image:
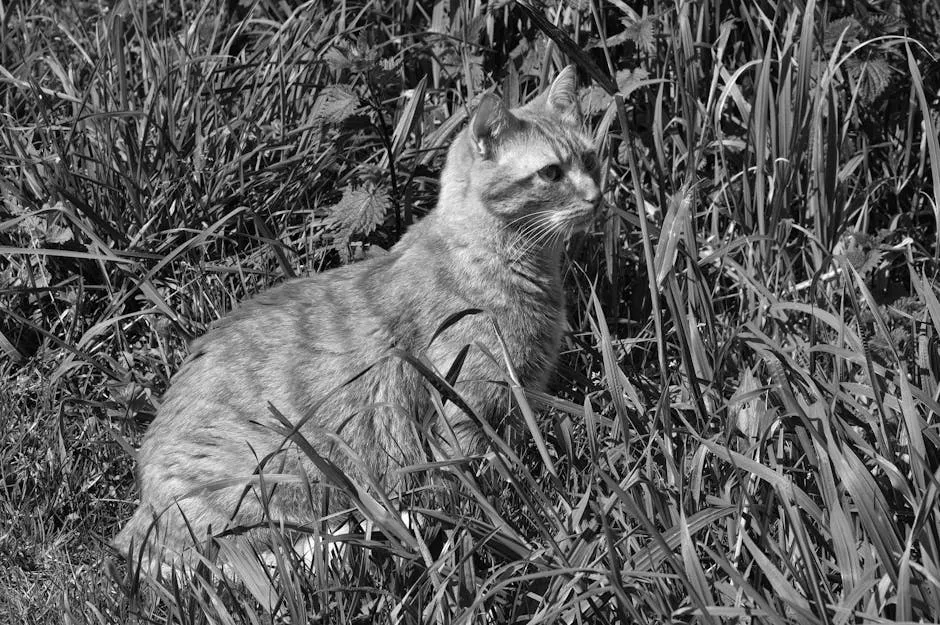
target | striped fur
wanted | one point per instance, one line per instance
(493, 243)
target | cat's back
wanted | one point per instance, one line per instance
(316, 312)
(288, 345)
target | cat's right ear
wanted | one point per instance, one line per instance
(562, 95)
(490, 123)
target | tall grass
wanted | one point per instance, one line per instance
(744, 426)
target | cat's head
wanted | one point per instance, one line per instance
(532, 167)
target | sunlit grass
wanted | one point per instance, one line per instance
(744, 425)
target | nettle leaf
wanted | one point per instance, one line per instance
(360, 210)
(640, 150)
(336, 58)
(642, 32)
(884, 24)
(532, 55)
(594, 100)
(872, 261)
(862, 251)
(578, 5)
(834, 30)
(875, 76)
(57, 234)
(335, 104)
(628, 80)
(384, 73)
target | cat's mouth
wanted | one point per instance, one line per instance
(583, 219)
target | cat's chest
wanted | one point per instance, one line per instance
(528, 338)
(529, 311)
(532, 329)
(523, 327)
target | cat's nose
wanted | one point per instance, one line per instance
(588, 188)
(593, 196)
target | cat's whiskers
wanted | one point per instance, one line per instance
(536, 233)
(530, 218)
(552, 228)
(531, 222)
(533, 230)
(549, 228)
(543, 237)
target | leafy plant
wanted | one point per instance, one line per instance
(744, 423)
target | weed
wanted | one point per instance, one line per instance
(744, 426)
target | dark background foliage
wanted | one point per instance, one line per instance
(744, 424)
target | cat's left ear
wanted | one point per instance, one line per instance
(562, 96)
(491, 122)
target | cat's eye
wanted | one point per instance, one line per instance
(551, 173)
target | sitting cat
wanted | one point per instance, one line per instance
(515, 185)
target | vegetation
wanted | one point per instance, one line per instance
(746, 424)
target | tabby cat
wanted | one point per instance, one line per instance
(515, 185)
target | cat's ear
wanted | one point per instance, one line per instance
(562, 96)
(490, 123)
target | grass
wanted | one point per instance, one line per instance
(744, 427)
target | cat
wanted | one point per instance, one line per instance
(515, 184)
